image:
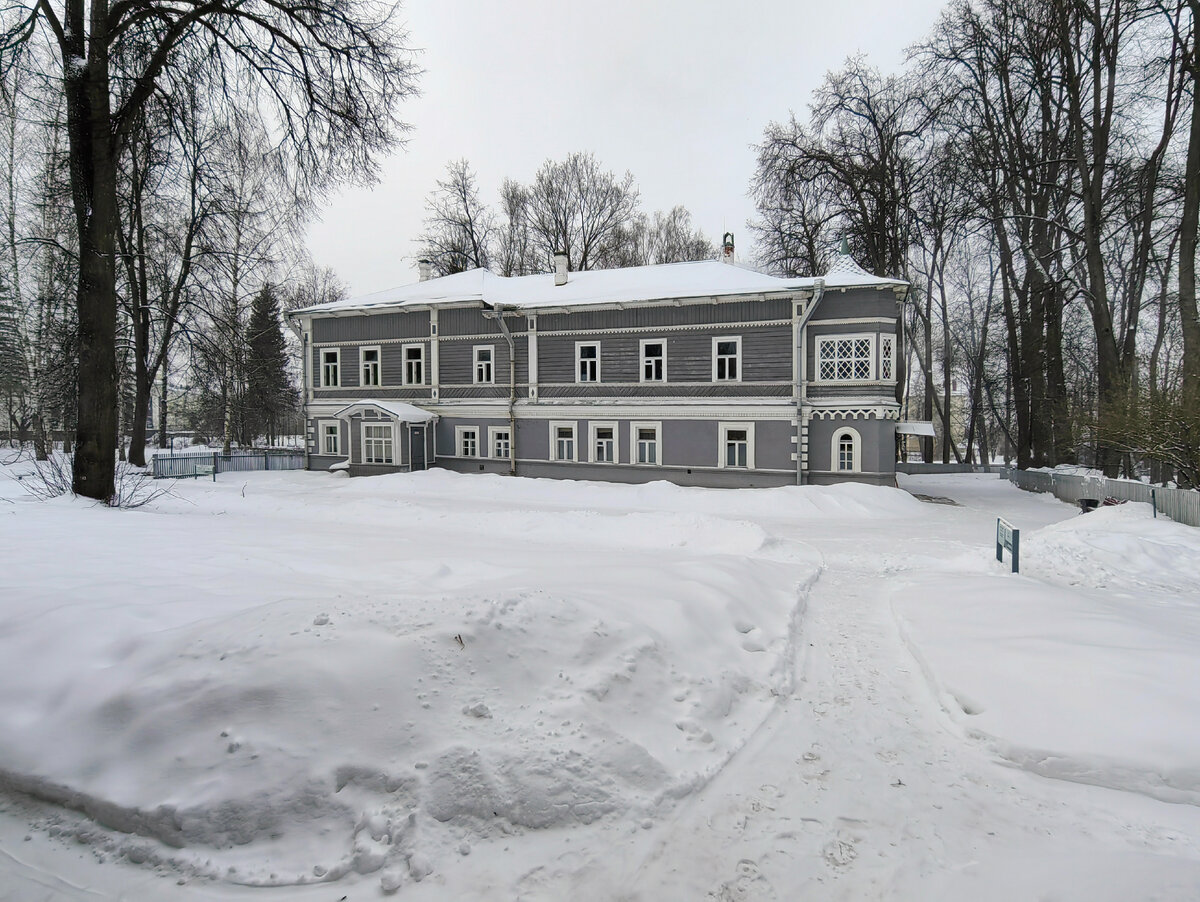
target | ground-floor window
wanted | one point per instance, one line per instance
(646, 439)
(377, 443)
(736, 446)
(331, 438)
(847, 450)
(501, 442)
(467, 441)
(604, 443)
(562, 441)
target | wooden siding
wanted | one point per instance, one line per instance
(766, 355)
(666, 315)
(856, 302)
(371, 327)
(669, 390)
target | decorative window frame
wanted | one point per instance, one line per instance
(555, 425)
(493, 434)
(737, 339)
(460, 436)
(616, 441)
(658, 442)
(491, 364)
(322, 425)
(391, 427)
(362, 366)
(337, 362)
(723, 429)
(599, 371)
(887, 357)
(835, 449)
(872, 356)
(642, 359)
(404, 361)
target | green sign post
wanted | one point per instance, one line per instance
(1008, 536)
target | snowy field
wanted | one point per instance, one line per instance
(299, 686)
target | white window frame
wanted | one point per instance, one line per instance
(460, 438)
(322, 425)
(835, 461)
(391, 440)
(593, 427)
(493, 436)
(643, 360)
(362, 367)
(658, 443)
(579, 345)
(737, 340)
(490, 363)
(823, 340)
(555, 425)
(723, 430)
(337, 366)
(404, 361)
(887, 358)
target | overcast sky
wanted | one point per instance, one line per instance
(675, 91)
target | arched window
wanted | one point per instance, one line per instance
(846, 453)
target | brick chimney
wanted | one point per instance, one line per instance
(425, 268)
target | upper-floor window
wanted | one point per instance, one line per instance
(844, 358)
(562, 441)
(331, 368)
(484, 359)
(646, 439)
(414, 364)
(377, 443)
(587, 361)
(604, 443)
(727, 359)
(468, 441)
(369, 359)
(654, 360)
(887, 344)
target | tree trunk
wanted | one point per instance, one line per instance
(163, 441)
(94, 192)
(1189, 221)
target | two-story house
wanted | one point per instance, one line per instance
(697, 373)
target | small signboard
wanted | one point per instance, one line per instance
(1008, 536)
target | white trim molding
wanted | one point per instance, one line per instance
(494, 433)
(593, 439)
(322, 447)
(404, 362)
(389, 439)
(372, 369)
(643, 360)
(634, 441)
(460, 439)
(737, 358)
(555, 426)
(723, 430)
(855, 450)
(337, 368)
(598, 374)
(839, 360)
(489, 364)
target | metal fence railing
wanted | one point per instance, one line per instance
(182, 466)
(1181, 505)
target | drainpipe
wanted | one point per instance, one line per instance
(818, 293)
(512, 389)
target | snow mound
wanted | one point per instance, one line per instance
(1082, 667)
(322, 677)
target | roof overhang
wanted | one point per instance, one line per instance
(915, 427)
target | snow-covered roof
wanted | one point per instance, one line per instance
(405, 413)
(635, 284)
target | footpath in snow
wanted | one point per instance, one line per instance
(469, 687)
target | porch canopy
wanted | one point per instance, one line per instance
(914, 427)
(397, 410)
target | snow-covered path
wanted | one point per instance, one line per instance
(859, 787)
(862, 781)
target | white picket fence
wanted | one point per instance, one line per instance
(1181, 505)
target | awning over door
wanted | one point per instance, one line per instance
(396, 410)
(914, 427)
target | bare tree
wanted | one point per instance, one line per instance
(460, 229)
(328, 75)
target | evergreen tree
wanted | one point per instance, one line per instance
(269, 394)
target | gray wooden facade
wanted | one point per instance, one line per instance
(627, 391)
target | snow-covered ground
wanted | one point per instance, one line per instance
(300, 686)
